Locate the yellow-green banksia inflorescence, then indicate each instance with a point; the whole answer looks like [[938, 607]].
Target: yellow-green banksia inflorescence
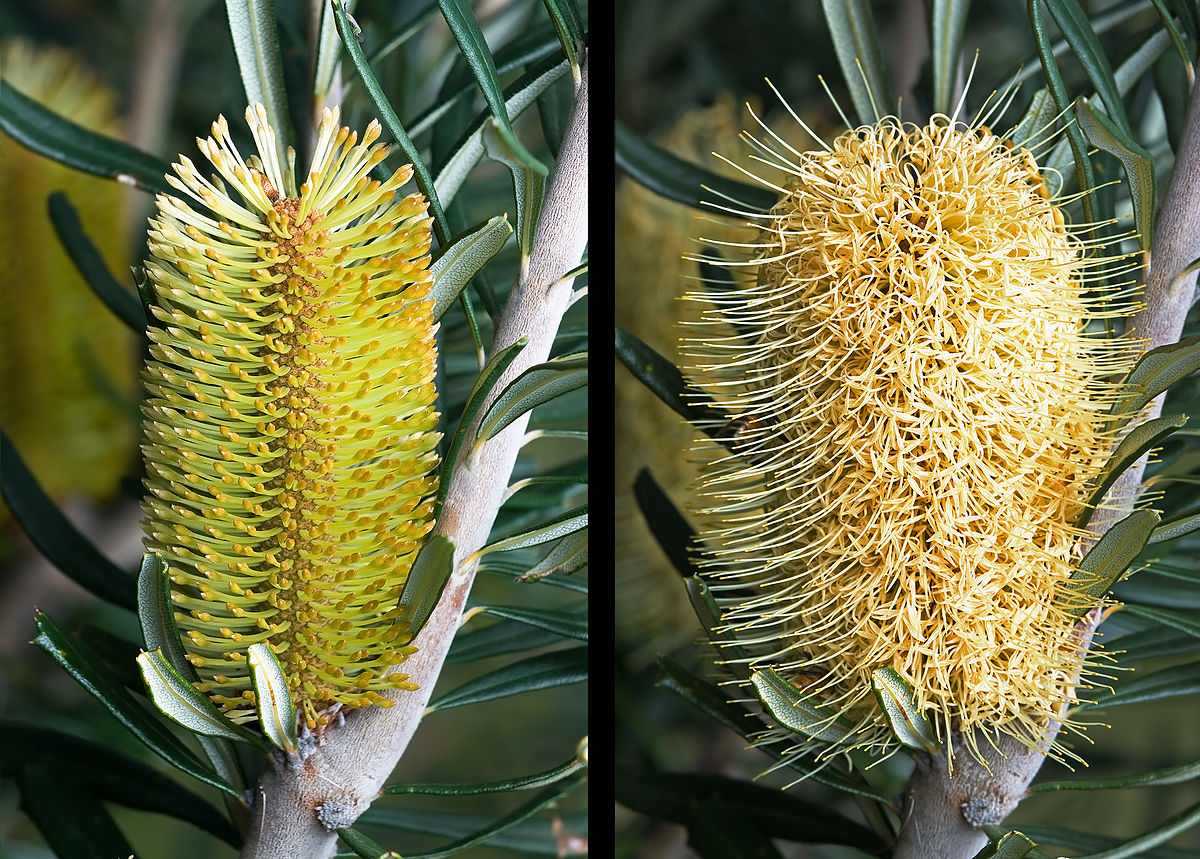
[[920, 404], [289, 414]]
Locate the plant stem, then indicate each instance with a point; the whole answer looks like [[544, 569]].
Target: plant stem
[[339, 779], [944, 812]]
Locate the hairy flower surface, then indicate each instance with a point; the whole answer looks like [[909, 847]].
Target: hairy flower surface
[[920, 410], [289, 416]]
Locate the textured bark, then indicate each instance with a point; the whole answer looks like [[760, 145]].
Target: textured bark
[[303, 798], [944, 811]]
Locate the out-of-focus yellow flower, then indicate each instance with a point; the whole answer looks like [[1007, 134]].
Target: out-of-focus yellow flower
[[68, 364], [289, 418]]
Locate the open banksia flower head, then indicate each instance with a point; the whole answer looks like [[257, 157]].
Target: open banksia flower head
[[920, 405], [289, 416]]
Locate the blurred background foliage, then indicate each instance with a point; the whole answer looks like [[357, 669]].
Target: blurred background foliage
[[160, 72], [683, 71]]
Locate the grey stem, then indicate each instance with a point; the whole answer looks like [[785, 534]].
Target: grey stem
[[300, 798], [944, 812]]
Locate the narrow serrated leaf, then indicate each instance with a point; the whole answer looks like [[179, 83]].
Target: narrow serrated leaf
[[1175, 528], [256, 44], [518, 97], [1111, 556], [796, 711], [537, 385], [54, 535], [1137, 161], [898, 702], [179, 700], [1077, 30], [1188, 622], [1169, 775], [136, 719], [558, 621], [463, 259], [86, 257], [666, 382], [157, 615], [541, 779], [949, 21], [276, 711], [488, 376], [544, 671], [47, 133], [669, 528], [569, 555], [427, 579], [856, 42], [546, 532], [1154, 373], [1140, 439], [675, 179]]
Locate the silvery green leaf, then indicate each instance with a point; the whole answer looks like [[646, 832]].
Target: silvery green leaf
[[796, 711], [276, 712], [183, 703], [426, 580], [899, 705], [466, 256]]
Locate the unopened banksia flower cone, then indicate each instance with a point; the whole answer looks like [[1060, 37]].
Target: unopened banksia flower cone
[[917, 406], [289, 418]]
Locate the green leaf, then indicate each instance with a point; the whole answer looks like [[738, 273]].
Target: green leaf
[[713, 702], [1181, 822], [427, 579], [1137, 161], [898, 702], [47, 133], [669, 796], [256, 43], [73, 822], [490, 830], [856, 41], [1112, 555], [1078, 32], [1034, 125], [463, 259], [1188, 622], [545, 671], [1173, 528], [56, 537], [560, 526], [329, 50], [487, 379], [1012, 845], [347, 29], [362, 845], [106, 775], [518, 97], [1152, 643], [569, 28], [1084, 169], [180, 701], [1139, 440], [666, 382], [796, 711], [157, 615], [1169, 775], [569, 555], [529, 782], [539, 384], [121, 704], [474, 49], [709, 614], [1167, 683], [276, 712], [675, 179], [497, 640], [558, 621], [670, 529], [949, 23], [91, 265], [1154, 373], [528, 184], [532, 837]]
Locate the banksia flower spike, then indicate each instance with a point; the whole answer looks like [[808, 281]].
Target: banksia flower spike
[[920, 405], [289, 416]]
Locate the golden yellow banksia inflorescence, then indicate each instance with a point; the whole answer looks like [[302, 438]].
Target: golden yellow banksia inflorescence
[[290, 441], [919, 404]]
